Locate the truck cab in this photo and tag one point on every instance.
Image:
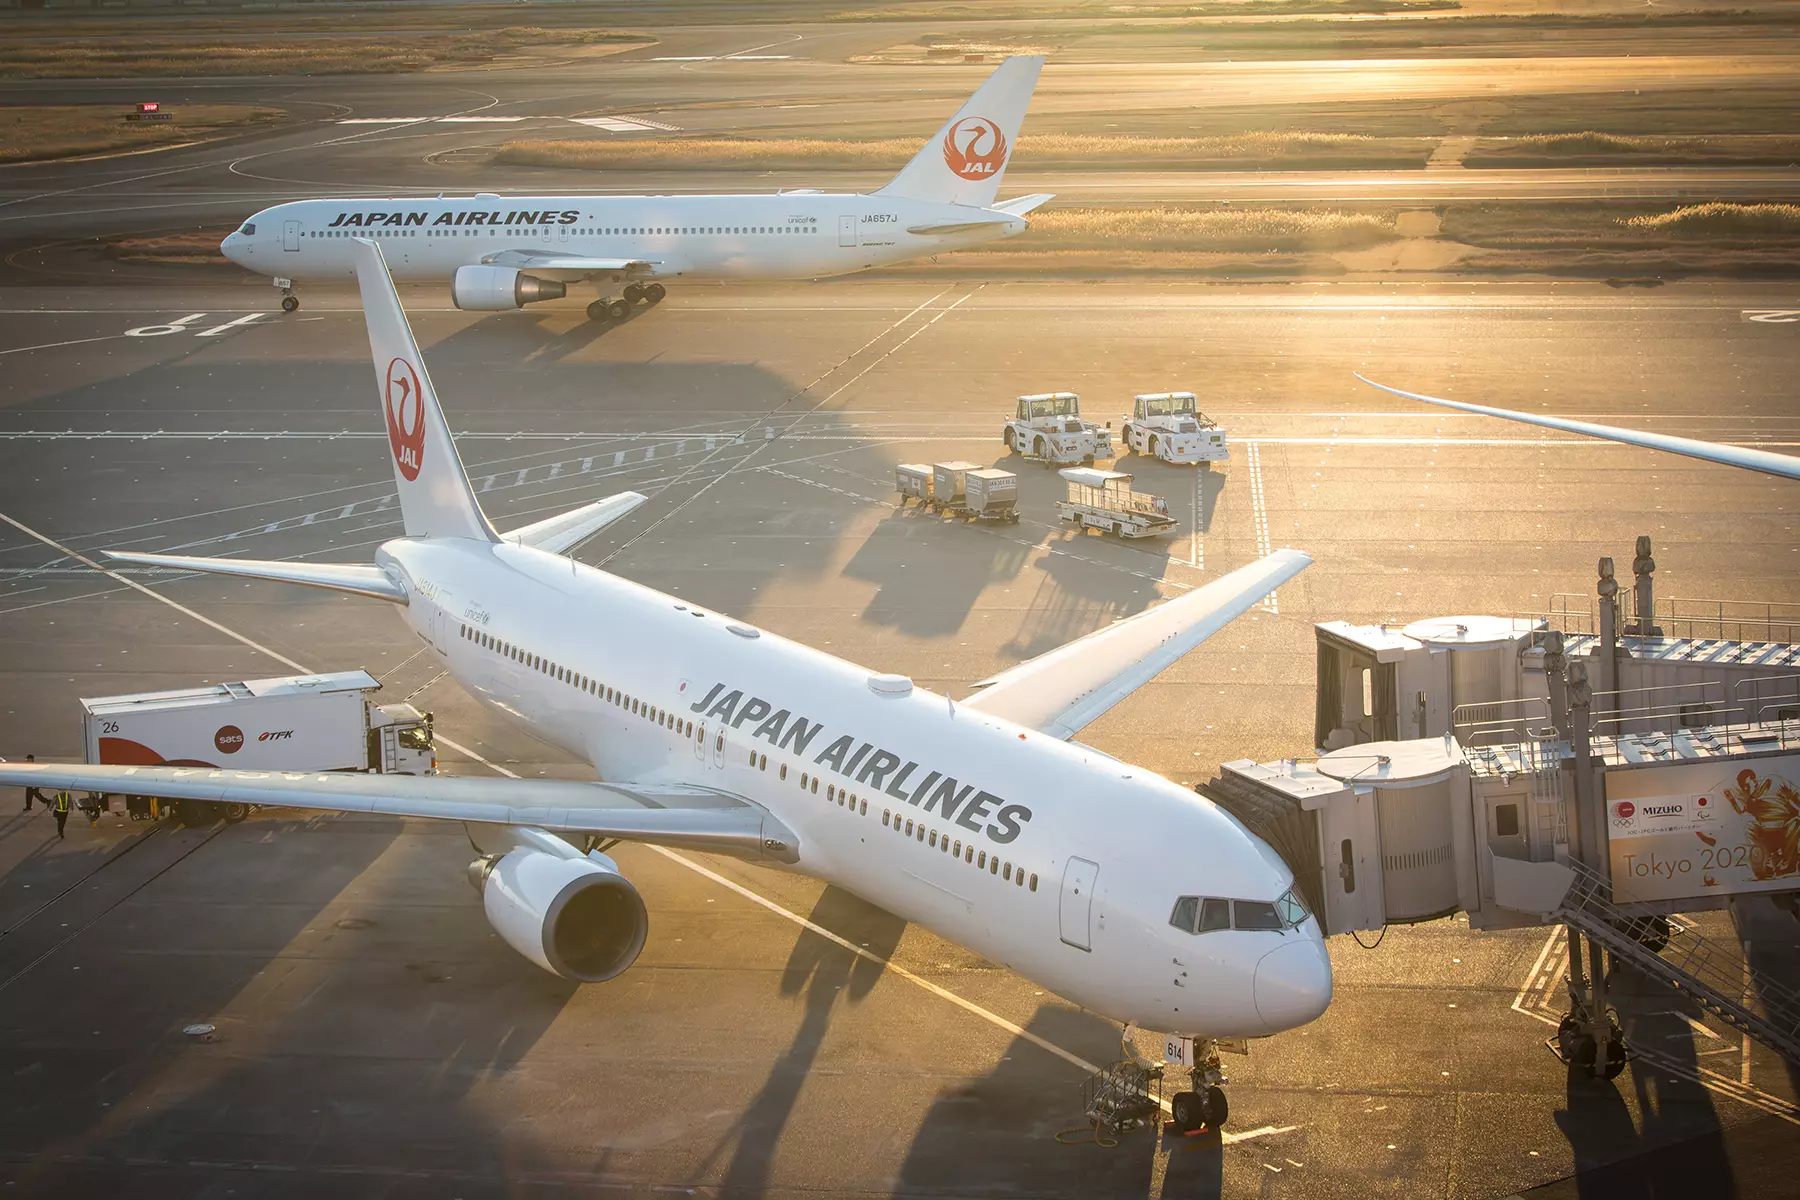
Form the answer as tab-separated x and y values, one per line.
1170	426
1049	426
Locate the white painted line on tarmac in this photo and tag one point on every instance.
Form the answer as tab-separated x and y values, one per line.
216	330
1260	512
58	345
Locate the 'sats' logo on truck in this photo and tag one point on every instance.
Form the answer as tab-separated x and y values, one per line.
975	148
229	739
276	735
405	418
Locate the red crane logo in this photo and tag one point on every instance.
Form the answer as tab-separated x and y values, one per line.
405	418
974	148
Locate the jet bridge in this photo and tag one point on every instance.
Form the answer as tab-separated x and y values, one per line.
1476	765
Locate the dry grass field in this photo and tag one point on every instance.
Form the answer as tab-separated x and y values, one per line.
1590	148
69	130
1277	150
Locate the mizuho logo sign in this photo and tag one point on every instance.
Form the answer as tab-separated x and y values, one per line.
405	418
975	148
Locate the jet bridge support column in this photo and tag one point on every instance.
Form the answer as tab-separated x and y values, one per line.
1587	1037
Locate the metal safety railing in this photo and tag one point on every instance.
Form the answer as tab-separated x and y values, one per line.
1711	973
1694	618
1502	722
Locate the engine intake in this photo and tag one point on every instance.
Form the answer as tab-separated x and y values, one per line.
495	289
575	917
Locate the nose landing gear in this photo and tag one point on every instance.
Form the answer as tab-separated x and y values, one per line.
289	301
1204	1106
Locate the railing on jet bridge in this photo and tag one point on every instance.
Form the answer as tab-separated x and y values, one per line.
1711	973
1768	698
1724	620
1502	722
1665	708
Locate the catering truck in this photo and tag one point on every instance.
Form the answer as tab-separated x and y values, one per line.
295	723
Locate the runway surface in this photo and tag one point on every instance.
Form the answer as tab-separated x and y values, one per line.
436	131
778	1038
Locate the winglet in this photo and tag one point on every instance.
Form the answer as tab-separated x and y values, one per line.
435	498
964	160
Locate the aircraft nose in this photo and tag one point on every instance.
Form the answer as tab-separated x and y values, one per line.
231	245
1293	984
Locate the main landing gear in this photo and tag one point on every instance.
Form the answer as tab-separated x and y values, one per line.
634	293
1203	1106
289	301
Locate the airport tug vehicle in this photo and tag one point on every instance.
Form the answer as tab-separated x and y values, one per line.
1170	426
295	723
1048	426
1104	500
962	489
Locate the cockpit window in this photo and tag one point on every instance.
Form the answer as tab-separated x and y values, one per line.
1254	914
1204	914
249	230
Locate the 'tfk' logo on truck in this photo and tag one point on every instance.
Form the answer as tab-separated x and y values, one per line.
405	418
975	148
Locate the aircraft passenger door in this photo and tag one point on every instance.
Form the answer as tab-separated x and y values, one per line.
1078	902
290	235
846	231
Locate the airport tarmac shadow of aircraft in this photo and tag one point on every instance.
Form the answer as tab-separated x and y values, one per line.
820	972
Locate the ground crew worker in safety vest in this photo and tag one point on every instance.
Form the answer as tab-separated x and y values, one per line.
60	806
32	793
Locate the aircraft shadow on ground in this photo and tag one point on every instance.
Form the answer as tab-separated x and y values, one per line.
821	973
113	1107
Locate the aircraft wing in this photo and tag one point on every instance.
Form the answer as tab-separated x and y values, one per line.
1769	463
359	579
658	814
1061	691
566	267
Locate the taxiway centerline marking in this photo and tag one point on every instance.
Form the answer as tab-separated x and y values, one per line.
58	345
941	992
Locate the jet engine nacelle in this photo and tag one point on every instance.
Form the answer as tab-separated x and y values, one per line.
495	289
574	917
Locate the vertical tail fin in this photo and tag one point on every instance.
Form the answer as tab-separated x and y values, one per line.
435	497
963	163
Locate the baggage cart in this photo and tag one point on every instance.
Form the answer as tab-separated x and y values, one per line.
949	484
1104	500
913	482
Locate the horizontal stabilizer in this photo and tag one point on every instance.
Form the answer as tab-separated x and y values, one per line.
1018	206
1061	691
358	580
1769	463
658	814
955	226
565	531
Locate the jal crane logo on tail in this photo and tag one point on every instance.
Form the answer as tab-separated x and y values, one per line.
975	148
405	418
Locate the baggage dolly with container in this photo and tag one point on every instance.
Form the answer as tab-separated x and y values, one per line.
1104	500
962	489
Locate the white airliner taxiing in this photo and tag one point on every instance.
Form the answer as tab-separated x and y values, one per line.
979	818
502	253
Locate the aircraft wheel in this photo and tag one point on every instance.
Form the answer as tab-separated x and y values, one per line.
597	311
633	292
1615	1056
654	292
1217	1109
234	813
290	304
1185	1108
618	310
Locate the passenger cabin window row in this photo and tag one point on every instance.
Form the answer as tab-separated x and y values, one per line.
1204	914
979	859
582	683
688	230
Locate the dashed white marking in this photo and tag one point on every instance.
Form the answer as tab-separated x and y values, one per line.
1773	316
1259	511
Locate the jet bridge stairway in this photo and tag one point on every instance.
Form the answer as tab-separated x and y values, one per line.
1707	971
